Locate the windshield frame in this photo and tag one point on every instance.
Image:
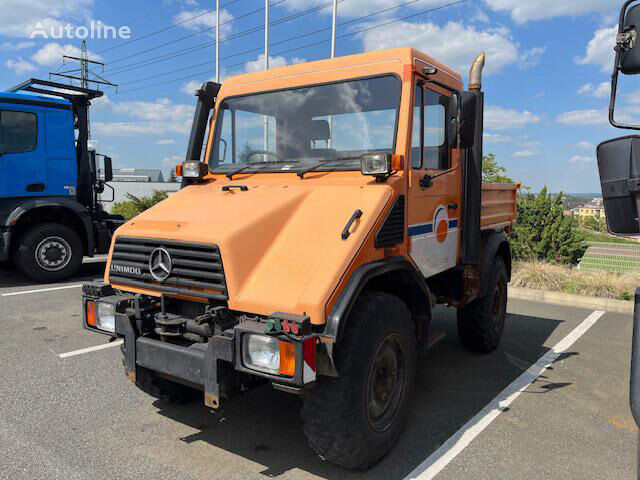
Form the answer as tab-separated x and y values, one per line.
218	124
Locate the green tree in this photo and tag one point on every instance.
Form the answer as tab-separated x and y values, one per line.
595	224
136	205
543	232
492	172
172	176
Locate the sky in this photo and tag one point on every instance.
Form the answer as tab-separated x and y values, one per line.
546	82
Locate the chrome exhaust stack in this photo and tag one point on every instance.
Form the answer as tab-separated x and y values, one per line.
475	74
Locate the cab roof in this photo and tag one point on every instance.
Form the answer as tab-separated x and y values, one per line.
401	56
29	97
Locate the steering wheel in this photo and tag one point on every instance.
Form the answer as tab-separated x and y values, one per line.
263	152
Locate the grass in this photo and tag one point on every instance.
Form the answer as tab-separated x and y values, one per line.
545	276
597	237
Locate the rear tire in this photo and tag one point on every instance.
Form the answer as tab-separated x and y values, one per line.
49	252
481	323
354	420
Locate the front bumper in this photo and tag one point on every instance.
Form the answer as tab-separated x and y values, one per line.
203	365
5	242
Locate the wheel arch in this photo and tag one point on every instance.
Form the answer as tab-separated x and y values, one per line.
63	211
493	244
395	276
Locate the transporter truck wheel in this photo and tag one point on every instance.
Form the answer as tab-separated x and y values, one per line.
480	323
354	420
49	252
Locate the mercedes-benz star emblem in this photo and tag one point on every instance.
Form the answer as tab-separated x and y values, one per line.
160	264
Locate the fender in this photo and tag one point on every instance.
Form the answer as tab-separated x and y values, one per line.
361	277
12	209
495	243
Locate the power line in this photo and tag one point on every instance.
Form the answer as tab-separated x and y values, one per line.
195	48
451	4
164	29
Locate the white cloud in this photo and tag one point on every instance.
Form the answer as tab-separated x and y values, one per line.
601	90
20	66
18	18
585	145
498	118
149	118
16	46
191	86
274	62
525	11
51	54
357	8
462	46
496	138
524	153
166	141
202	19
581	160
531	58
600	49
591	117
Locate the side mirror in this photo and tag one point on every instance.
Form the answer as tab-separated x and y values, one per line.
467	128
628	42
619	166
108	169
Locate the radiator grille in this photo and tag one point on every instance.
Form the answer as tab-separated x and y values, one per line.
392	230
196	269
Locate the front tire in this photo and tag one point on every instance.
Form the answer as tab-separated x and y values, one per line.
481	322
354	420
49	252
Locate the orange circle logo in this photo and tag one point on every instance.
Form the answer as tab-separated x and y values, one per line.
441	230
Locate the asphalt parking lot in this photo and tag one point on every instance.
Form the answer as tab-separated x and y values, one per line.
473	416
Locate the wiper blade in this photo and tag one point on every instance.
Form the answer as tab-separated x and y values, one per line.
230	174
302	173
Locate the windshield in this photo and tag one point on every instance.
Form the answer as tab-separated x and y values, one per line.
294	129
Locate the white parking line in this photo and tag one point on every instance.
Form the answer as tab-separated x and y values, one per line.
449	450
91	349
40	290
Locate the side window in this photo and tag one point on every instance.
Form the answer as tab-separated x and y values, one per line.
18	131
432	124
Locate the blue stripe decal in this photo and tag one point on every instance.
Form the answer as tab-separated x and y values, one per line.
420	229
453	223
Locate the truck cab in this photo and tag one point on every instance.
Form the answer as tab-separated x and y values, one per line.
335	204
50	216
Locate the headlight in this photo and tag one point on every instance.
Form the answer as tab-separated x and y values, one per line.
194	169
106	317
378	164
268	355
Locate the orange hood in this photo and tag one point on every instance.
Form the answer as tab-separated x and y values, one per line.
281	244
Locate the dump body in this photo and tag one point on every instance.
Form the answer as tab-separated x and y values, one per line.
498	209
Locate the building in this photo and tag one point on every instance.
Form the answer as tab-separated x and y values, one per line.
137	175
594	208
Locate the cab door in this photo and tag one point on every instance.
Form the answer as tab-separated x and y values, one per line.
23	169
434	183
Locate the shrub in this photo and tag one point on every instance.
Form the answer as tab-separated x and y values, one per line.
136	205
543	232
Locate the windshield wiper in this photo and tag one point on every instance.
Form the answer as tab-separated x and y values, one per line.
230	174
302	173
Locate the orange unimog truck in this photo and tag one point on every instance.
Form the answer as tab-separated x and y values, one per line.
336	203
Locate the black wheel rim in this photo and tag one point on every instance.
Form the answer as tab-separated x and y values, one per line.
386	382
499	307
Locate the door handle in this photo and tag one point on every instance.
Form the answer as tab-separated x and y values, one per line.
452	206
356	215
35	187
